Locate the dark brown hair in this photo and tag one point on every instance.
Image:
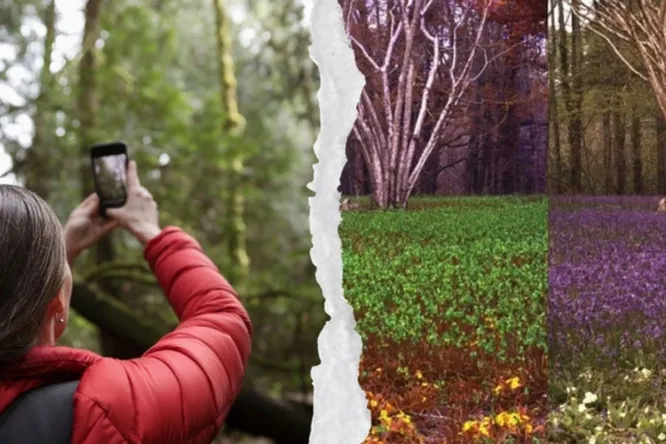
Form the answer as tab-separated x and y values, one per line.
32	268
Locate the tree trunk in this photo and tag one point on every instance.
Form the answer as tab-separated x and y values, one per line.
88	110
37	173
620	133
637	158
88	100
234	124
660	125
608	151
575	103
510	134
360	174
477	161
556	176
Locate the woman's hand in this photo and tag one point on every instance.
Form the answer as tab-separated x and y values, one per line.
85	227
139	214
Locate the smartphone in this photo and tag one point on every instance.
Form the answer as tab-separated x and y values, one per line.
109	166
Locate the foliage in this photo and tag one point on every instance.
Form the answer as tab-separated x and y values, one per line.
450	301
611	410
155	87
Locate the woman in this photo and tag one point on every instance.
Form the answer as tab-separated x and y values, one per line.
180	391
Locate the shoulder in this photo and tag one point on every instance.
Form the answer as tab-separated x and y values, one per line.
143	400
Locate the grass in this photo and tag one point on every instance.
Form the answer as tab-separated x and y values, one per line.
450	299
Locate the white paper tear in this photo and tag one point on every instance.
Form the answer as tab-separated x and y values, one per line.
341	415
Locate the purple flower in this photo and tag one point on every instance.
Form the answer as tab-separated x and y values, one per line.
607	280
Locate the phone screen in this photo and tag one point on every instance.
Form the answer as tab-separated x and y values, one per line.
111	177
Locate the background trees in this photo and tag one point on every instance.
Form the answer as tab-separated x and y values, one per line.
77	73
607	126
454	100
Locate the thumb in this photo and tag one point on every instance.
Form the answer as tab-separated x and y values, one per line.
114	213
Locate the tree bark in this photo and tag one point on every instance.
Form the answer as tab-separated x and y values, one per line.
607	131
88	106
620	133
88	97
556	176
575	97
637	158
234	124
510	135
660	125
396	105
37	175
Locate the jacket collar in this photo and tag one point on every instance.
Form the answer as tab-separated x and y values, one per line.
44	365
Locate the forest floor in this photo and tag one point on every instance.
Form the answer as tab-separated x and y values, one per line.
450	299
607	320
460	300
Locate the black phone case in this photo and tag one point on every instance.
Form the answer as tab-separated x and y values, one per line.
109	148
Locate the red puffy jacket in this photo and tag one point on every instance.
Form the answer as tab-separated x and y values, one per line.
180	390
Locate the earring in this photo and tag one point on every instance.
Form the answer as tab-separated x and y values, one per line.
61	320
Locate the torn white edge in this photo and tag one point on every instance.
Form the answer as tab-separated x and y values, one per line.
341	414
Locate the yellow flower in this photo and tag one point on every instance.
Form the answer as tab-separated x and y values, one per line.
528	428
513	383
373	403
514	419
418	374
468	426
405	418
501	419
498	389
423	399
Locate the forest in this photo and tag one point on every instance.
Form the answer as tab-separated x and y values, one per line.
470	112
607	129
216	101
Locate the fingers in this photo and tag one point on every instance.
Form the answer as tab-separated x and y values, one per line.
107	226
132	176
89	206
113	213
91	201
145	193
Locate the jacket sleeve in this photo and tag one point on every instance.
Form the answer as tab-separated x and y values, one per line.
180	390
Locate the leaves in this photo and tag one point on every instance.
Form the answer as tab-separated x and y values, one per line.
451	290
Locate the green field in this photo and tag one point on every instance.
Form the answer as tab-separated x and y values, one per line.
456	262
461	278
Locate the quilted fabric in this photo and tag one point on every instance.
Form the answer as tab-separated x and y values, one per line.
180	390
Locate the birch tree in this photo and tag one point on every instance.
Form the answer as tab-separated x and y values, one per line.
640	27
418	57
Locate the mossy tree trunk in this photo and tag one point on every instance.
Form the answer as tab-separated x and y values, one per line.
88	116
234	126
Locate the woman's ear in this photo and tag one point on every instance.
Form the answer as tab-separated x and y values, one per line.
58	312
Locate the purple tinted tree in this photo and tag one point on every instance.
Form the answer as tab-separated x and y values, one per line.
418	58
